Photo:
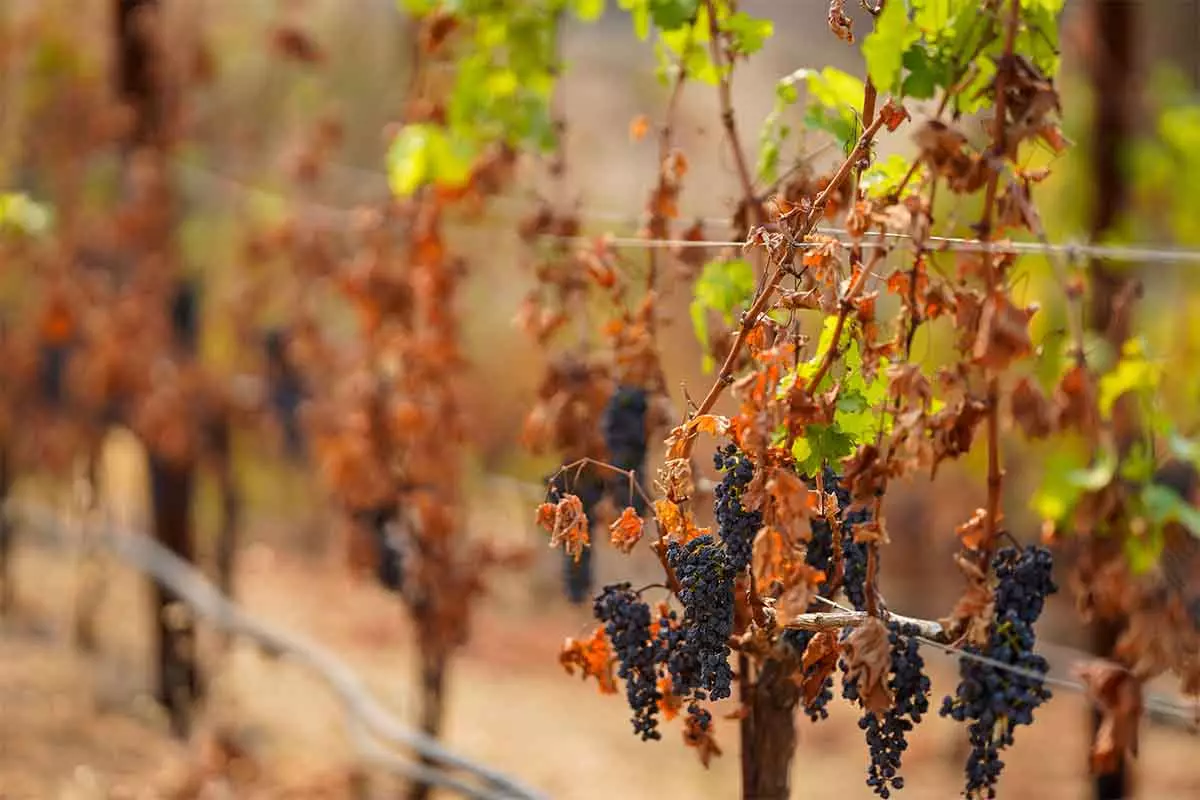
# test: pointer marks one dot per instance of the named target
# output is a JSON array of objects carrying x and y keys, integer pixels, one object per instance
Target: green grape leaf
[
  {"x": 417, "y": 8},
  {"x": 19, "y": 213},
  {"x": 671, "y": 15},
  {"x": 1164, "y": 505},
  {"x": 884, "y": 47},
  {"x": 588, "y": 10},
  {"x": 408, "y": 159},
  {"x": 748, "y": 34},
  {"x": 1143, "y": 552},
  {"x": 818, "y": 445},
  {"x": 723, "y": 286},
  {"x": 1133, "y": 373},
  {"x": 882, "y": 178},
  {"x": 1063, "y": 483}
]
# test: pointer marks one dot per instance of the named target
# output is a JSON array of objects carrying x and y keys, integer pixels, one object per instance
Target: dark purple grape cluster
[
  {"x": 285, "y": 390},
  {"x": 996, "y": 700},
  {"x": 798, "y": 641},
  {"x": 627, "y": 623},
  {"x": 623, "y": 425},
  {"x": 706, "y": 577},
  {"x": 736, "y": 526},
  {"x": 390, "y": 552},
  {"x": 854, "y": 554},
  {"x": 887, "y": 733}
]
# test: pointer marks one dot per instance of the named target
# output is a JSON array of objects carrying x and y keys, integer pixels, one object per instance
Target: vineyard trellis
[{"x": 807, "y": 314}]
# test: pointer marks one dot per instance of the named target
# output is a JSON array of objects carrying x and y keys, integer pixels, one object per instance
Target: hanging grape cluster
[
  {"x": 736, "y": 526},
  {"x": 854, "y": 554},
  {"x": 995, "y": 700},
  {"x": 887, "y": 733}
]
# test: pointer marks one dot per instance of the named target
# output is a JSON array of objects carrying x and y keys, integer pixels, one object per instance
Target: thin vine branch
[{"x": 725, "y": 376}]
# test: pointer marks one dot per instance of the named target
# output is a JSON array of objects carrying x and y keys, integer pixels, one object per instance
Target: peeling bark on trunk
[
  {"x": 178, "y": 685},
  {"x": 769, "y": 732}
]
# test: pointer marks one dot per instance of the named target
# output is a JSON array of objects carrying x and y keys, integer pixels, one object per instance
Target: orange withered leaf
[
  {"x": 819, "y": 661},
  {"x": 626, "y": 530},
  {"x": 639, "y": 126},
  {"x": 567, "y": 523},
  {"x": 894, "y": 115},
  {"x": 971, "y": 533},
  {"x": 593, "y": 657}
]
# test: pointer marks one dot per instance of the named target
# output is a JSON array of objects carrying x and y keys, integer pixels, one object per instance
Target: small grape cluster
[
  {"x": 627, "y": 622},
  {"x": 623, "y": 426},
  {"x": 854, "y": 554},
  {"x": 995, "y": 700},
  {"x": 706, "y": 577},
  {"x": 736, "y": 526},
  {"x": 887, "y": 733},
  {"x": 798, "y": 641}
]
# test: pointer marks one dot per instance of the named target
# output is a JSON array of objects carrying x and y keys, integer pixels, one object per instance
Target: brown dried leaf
[
  {"x": 840, "y": 24},
  {"x": 1031, "y": 409},
  {"x": 699, "y": 735},
  {"x": 1119, "y": 695},
  {"x": 868, "y": 662},
  {"x": 1003, "y": 335}
]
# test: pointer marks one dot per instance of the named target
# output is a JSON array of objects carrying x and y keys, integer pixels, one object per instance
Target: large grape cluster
[
  {"x": 623, "y": 425},
  {"x": 995, "y": 700},
  {"x": 736, "y": 526},
  {"x": 887, "y": 733},
  {"x": 706, "y": 578},
  {"x": 627, "y": 623}
]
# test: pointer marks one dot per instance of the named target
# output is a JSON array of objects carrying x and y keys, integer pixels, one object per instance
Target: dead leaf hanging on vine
[
  {"x": 868, "y": 662},
  {"x": 1119, "y": 695}
]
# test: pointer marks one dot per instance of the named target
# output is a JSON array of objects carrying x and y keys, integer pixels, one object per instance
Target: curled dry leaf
[
  {"x": 868, "y": 662},
  {"x": 567, "y": 523},
  {"x": 840, "y": 24},
  {"x": 1118, "y": 693},
  {"x": 971, "y": 533},
  {"x": 593, "y": 657},
  {"x": 627, "y": 530},
  {"x": 1003, "y": 335},
  {"x": 819, "y": 661},
  {"x": 972, "y": 614},
  {"x": 676, "y": 523},
  {"x": 894, "y": 115}
]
